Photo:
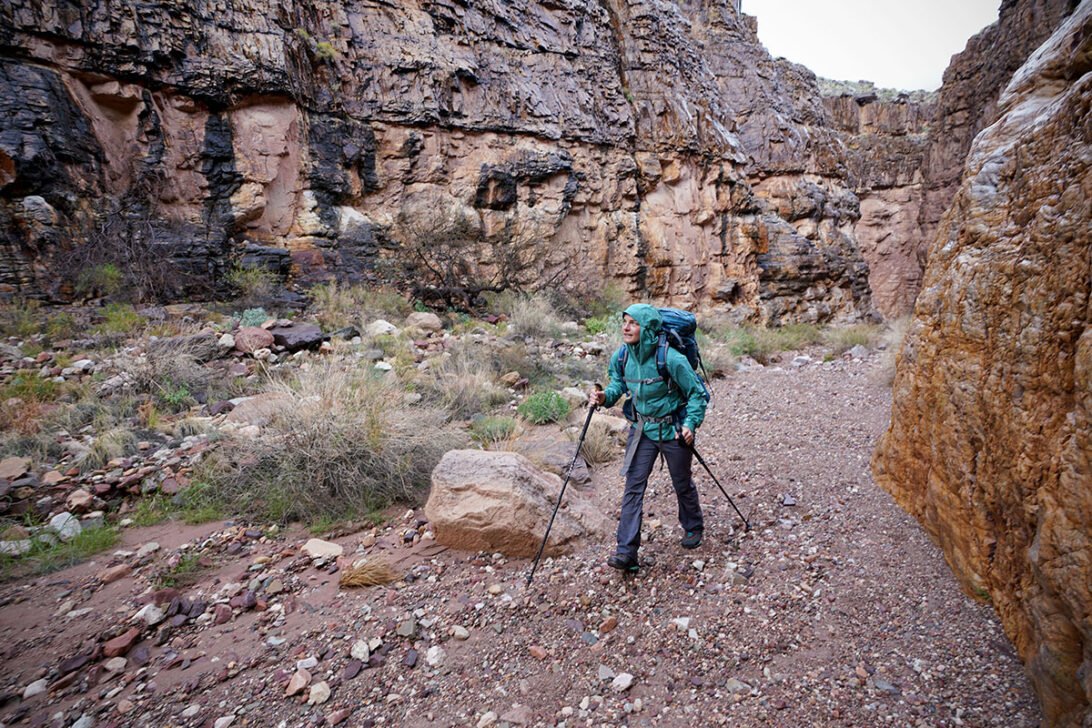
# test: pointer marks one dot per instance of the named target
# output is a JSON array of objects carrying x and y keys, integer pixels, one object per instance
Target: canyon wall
[
  {"x": 990, "y": 444},
  {"x": 315, "y": 139}
]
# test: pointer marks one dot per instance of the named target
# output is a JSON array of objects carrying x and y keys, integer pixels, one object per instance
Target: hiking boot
[
  {"x": 692, "y": 539},
  {"x": 622, "y": 563}
]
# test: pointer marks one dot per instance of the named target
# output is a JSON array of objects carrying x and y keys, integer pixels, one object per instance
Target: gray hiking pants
[{"x": 679, "y": 458}]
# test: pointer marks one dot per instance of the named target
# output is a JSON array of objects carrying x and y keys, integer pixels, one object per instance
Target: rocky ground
[{"x": 833, "y": 610}]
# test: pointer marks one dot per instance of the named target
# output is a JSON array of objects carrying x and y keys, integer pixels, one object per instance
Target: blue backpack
[{"x": 677, "y": 331}]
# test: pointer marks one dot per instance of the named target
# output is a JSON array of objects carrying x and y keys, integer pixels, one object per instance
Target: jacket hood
[{"x": 649, "y": 318}]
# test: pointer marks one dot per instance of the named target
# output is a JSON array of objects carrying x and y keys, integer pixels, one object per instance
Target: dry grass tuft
[
  {"x": 465, "y": 384},
  {"x": 529, "y": 314},
  {"x": 346, "y": 443},
  {"x": 368, "y": 573},
  {"x": 599, "y": 445}
]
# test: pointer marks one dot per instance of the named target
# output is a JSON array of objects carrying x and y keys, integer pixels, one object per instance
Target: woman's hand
[
  {"x": 687, "y": 436},
  {"x": 596, "y": 398}
]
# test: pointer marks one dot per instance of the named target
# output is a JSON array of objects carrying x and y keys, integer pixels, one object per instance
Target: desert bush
[
  {"x": 599, "y": 445},
  {"x": 61, "y": 325},
  {"x": 171, "y": 374},
  {"x": 528, "y": 314},
  {"x": 120, "y": 318},
  {"x": 464, "y": 384},
  {"x": 335, "y": 305},
  {"x": 346, "y": 444},
  {"x": 842, "y": 339},
  {"x": 543, "y": 407},
  {"x": 111, "y": 444},
  {"x": 493, "y": 429},
  {"x": 252, "y": 285},
  {"x": 21, "y": 317}
]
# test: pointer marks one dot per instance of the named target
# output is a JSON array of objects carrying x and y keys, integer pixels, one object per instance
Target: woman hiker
[{"x": 665, "y": 416}]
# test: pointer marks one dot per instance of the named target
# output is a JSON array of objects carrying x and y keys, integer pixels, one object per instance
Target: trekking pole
[
  {"x": 591, "y": 411},
  {"x": 746, "y": 526}
]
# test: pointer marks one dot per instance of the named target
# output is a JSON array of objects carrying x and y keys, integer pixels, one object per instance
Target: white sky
[{"x": 903, "y": 44}]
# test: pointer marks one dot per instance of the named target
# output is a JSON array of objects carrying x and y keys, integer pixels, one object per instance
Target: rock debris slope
[
  {"x": 835, "y": 610},
  {"x": 989, "y": 443}
]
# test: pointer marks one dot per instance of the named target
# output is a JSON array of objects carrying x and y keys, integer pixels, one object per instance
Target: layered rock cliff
[
  {"x": 990, "y": 444},
  {"x": 305, "y": 138}
]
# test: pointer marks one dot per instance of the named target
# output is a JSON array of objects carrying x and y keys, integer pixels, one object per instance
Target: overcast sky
[{"x": 904, "y": 44}]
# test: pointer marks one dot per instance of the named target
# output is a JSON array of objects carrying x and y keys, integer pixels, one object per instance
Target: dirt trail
[{"x": 835, "y": 610}]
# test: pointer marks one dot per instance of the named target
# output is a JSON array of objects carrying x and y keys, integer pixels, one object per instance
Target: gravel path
[{"x": 834, "y": 610}]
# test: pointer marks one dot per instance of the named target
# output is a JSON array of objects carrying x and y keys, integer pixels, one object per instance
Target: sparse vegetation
[
  {"x": 528, "y": 314},
  {"x": 599, "y": 445},
  {"x": 544, "y": 407},
  {"x": 843, "y": 339},
  {"x": 493, "y": 429},
  {"x": 464, "y": 384},
  {"x": 48, "y": 553},
  {"x": 345, "y": 445},
  {"x": 252, "y": 285}
]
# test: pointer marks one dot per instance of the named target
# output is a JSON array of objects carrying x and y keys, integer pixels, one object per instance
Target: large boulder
[
  {"x": 499, "y": 501},
  {"x": 990, "y": 444}
]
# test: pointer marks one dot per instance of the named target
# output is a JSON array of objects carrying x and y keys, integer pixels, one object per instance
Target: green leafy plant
[
  {"x": 543, "y": 407},
  {"x": 253, "y": 317},
  {"x": 251, "y": 284},
  {"x": 120, "y": 318}
]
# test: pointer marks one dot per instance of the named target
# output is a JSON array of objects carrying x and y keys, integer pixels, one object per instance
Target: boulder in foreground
[{"x": 499, "y": 501}]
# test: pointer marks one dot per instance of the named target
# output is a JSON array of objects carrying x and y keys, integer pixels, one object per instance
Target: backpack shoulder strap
[
  {"x": 661, "y": 360},
  {"x": 623, "y": 354}
]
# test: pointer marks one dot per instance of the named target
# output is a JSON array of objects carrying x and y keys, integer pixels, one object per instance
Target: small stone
[
  {"x": 435, "y": 656},
  {"x": 115, "y": 664},
  {"x": 352, "y": 669},
  {"x": 788, "y": 500},
  {"x": 35, "y": 688},
  {"x": 66, "y": 526},
  {"x": 297, "y": 683},
  {"x": 151, "y": 615},
  {"x": 605, "y": 673},
  {"x": 113, "y": 573},
  {"x": 488, "y": 719},
  {"x": 495, "y": 589},
  {"x": 367, "y": 540},
  {"x": 125, "y": 706},
  {"x": 517, "y": 715},
  {"x": 78, "y": 500},
  {"x": 146, "y": 550},
  {"x": 407, "y": 629},
  {"x": 307, "y": 663},
  {"x": 122, "y": 643},
  {"x": 320, "y": 693},
  {"x": 316, "y": 548},
  {"x": 538, "y": 651},
  {"x": 338, "y": 716},
  {"x": 460, "y": 632},
  {"x": 224, "y": 721},
  {"x": 359, "y": 651},
  {"x": 14, "y": 468},
  {"x": 621, "y": 682},
  {"x": 608, "y": 624}
]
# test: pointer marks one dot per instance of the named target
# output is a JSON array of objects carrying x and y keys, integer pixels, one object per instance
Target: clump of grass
[
  {"x": 373, "y": 572},
  {"x": 529, "y": 314},
  {"x": 543, "y": 407},
  {"x": 199, "y": 503},
  {"x": 334, "y": 305},
  {"x": 150, "y": 511},
  {"x": 599, "y": 445},
  {"x": 120, "y": 318},
  {"x": 762, "y": 343},
  {"x": 493, "y": 429},
  {"x": 464, "y": 384},
  {"x": 843, "y": 339},
  {"x": 61, "y": 325},
  {"x": 20, "y": 318},
  {"x": 113, "y": 443},
  {"x": 181, "y": 574},
  {"x": 252, "y": 286},
  {"x": 48, "y": 555},
  {"x": 346, "y": 444}
]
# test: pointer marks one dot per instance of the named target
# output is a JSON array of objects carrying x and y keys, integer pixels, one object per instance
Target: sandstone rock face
[
  {"x": 499, "y": 501},
  {"x": 968, "y": 97},
  {"x": 309, "y": 139},
  {"x": 990, "y": 445}
]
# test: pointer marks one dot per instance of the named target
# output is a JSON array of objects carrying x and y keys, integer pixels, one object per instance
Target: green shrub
[
  {"x": 62, "y": 325},
  {"x": 103, "y": 280},
  {"x": 120, "y": 318},
  {"x": 20, "y": 318},
  {"x": 253, "y": 317},
  {"x": 253, "y": 285},
  {"x": 543, "y": 407},
  {"x": 492, "y": 429}
]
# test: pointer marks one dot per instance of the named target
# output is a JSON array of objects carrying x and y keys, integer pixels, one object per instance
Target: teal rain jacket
[{"x": 657, "y": 399}]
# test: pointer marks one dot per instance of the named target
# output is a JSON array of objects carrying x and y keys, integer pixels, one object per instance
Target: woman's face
[{"x": 631, "y": 330}]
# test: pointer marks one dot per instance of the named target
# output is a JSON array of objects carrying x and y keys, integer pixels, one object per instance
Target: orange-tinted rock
[
  {"x": 122, "y": 643},
  {"x": 990, "y": 444},
  {"x": 251, "y": 338}
]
